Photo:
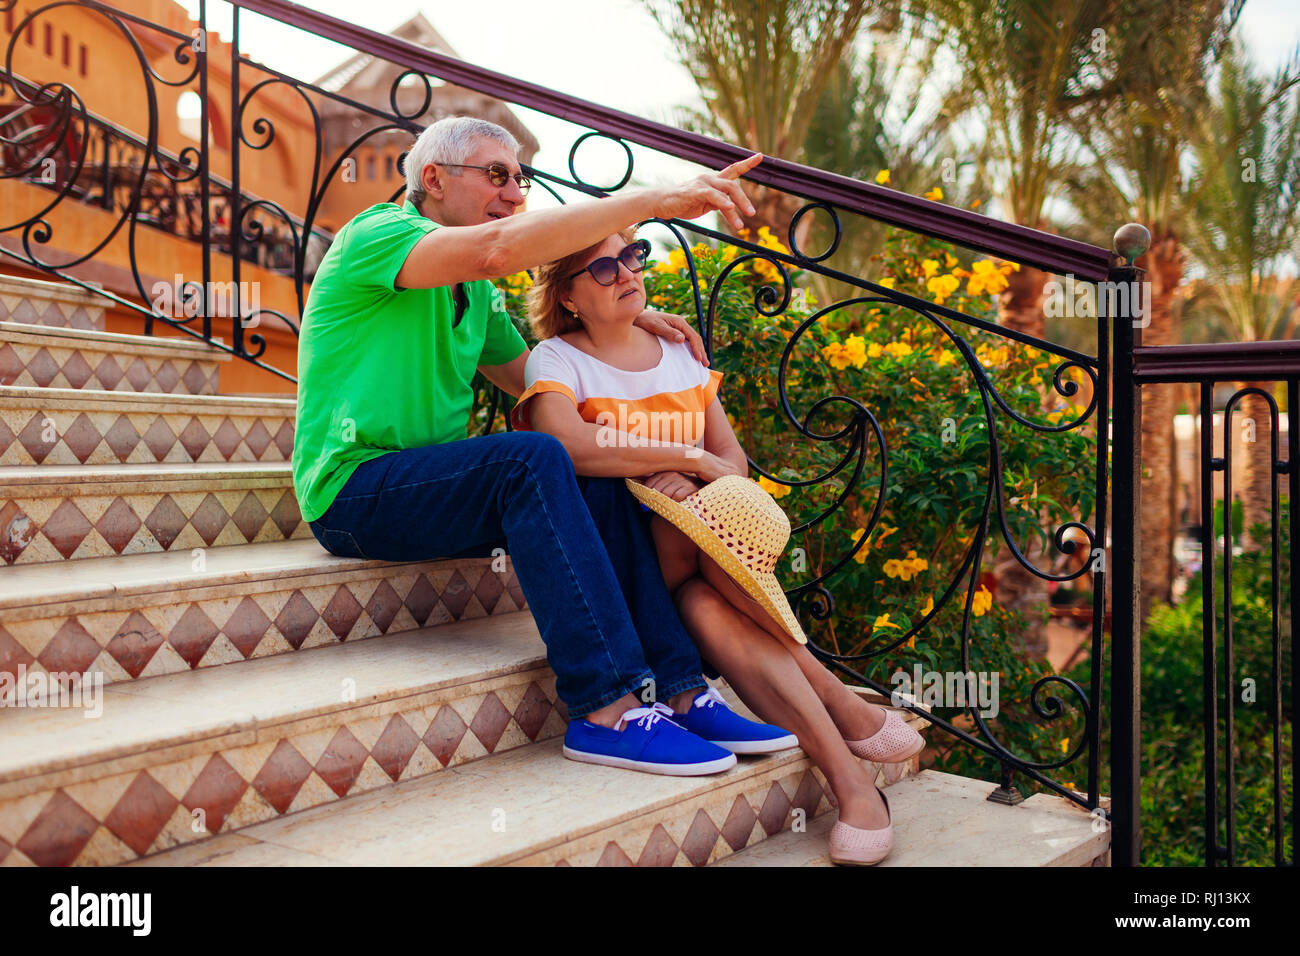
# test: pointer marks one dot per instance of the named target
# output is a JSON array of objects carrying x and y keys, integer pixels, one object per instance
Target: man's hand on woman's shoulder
[{"x": 674, "y": 328}]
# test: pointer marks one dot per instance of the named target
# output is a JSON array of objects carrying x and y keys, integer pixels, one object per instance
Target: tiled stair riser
[
  {"x": 713, "y": 827},
  {"x": 95, "y": 520},
  {"x": 38, "y": 303},
  {"x": 118, "y": 811},
  {"x": 70, "y": 426},
  {"x": 131, "y": 636},
  {"x": 27, "y": 362}
]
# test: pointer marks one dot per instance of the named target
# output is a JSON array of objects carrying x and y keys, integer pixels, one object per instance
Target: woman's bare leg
[
  {"x": 856, "y": 718},
  {"x": 771, "y": 684}
]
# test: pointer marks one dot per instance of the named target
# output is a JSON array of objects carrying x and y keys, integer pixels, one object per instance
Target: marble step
[
  {"x": 144, "y": 615},
  {"x": 176, "y": 759},
  {"x": 941, "y": 819},
  {"x": 70, "y": 426},
  {"x": 52, "y": 304},
  {"x": 62, "y": 512},
  {"x": 534, "y": 807},
  {"x": 34, "y": 356}
]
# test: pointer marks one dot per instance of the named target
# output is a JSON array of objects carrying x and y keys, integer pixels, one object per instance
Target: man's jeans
[{"x": 603, "y": 611}]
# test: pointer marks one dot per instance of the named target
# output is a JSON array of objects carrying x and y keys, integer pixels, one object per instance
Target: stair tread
[
  {"x": 13, "y": 475},
  {"x": 50, "y": 582},
  {"x": 446, "y": 819},
  {"x": 190, "y": 348},
  {"x": 44, "y": 288},
  {"x": 242, "y": 698},
  {"x": 53, "y": 398},
  {"x": 943, "y": 819}
]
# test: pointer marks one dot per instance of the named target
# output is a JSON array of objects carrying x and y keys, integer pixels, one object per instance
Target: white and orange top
[{"x": 664, "y": 403}]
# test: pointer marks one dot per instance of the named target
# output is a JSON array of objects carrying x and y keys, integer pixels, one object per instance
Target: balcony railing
[{"x": 860, "y": 458}]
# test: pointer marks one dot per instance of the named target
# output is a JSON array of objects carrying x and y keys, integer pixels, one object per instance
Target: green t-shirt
[{"x": 381, "y": 369}]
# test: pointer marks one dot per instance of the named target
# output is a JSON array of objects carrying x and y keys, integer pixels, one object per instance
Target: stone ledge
[{"x": 942, "y": 819}]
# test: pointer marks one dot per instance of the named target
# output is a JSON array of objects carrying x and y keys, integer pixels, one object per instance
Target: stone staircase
[{"x": 250, "y": 699}]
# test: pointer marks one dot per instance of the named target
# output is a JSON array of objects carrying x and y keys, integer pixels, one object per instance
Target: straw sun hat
[{"x": 742, "y": 528}]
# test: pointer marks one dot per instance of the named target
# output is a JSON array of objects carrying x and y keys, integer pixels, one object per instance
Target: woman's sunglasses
[
  {"x": 498, "y": 175},
  {"x": 605, "y": 269}
]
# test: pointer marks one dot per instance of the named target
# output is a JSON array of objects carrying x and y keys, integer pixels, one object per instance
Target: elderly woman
[{"x": 600, "y": 384}]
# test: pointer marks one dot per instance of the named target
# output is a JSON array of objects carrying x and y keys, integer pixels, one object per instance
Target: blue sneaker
[
  {"x": 649, "y": 741},
  {"x": 710, "y": 718}
]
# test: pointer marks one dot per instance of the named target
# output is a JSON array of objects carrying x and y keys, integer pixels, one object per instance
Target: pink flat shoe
[
  {"x": 894, "y": 742},
  {"x": 855, "y": 846}
]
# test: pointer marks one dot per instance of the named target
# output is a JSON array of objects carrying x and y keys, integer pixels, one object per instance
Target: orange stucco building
[{"x": 108, "y": 66}]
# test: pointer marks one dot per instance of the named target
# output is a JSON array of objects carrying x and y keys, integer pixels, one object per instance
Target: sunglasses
[
  {"x": 498, "y": 175},
  {"x": 605, "y": 269}
]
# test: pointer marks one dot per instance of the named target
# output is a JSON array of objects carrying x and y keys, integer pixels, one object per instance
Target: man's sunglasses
[
  {"x": 605, "y": 269},
  {"x": 498, "y": 174}
]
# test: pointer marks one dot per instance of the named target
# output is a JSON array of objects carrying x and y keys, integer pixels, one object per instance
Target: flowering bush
[
  {"x": 918, "y": 385},
  {"x": 914, "y": 379}
]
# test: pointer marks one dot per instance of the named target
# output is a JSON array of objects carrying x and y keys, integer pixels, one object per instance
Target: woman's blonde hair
[{"x": 546, "y": 311}]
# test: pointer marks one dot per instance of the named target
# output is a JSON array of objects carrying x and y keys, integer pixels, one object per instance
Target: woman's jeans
[{"x": 581, "y": 548}]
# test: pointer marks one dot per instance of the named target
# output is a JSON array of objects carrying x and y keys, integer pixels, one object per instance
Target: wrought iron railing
[
  {"x": 1207, "y": 365},
  {"x": 857, "y": 437}
]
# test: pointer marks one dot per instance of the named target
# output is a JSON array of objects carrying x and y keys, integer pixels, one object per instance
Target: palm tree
[
  {"x": 761, "y": 67},
  {"x": 1247, "y": 229},
  {"x": 880, "y": 111},
  {"x": 1139, "y": 142},
  {"x": 1027, "y": 65}
]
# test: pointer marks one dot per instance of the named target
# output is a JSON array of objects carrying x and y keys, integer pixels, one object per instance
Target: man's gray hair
[{"x": 449, "y": 140}]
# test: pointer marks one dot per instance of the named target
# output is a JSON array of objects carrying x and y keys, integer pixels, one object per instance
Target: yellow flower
[
  {"x": 983, "y": 601},
  {"x": 986, "y": 278},
  {"x": 883, "y": 621},
  {"x": 943, "y": 286},
  {"x": 775, "y": 489},
  {"x": 855, "y": 350},
  {"x": 976, "y": 204},
  {"x": 990, "y": 356},
  {"x": 888, "y": 282},
  {"x": 1065, "y": 745},
  {"x": 934, "y": 194},
  {"x": 875, "y": 350},
  {"x": 917, "y": 382},
  {"x": 519, "y": 282},
  {"x": 949, "y": 260},
  {"x": 898, "y": 350},
  {"x": 929, "y": 267},
  {"x": 674, "y": 264},
  {"x": 946, "y": 357},
  {"x": 929, "y": 606},
  {"x": 861, "y": 555},
  {"x": 882, "y": 177},
  {"x": 769, "y": 241},
  {"x": 837, "y": 355}
]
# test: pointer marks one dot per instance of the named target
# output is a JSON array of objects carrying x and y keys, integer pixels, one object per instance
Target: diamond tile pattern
[
  {"x": 15, "y": 306},
  {"x": 120, "y": 818},
  {"x": 66, "y": 436},
  {"x": 34, "y": 530},
  {"x": 95, "y": 365},
  {"x": 703, "y": 830},
  {"x": 183, "y": 635}
]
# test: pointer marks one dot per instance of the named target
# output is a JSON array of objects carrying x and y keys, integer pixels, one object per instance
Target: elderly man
[{"x": 399, "y": 317}]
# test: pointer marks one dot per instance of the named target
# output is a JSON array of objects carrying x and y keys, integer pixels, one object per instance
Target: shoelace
[
  {"x": 709, "y": 698},
  {"x": 646, "y": 717}
]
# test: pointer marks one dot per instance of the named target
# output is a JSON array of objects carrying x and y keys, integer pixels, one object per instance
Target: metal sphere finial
[{"x": 1131, "y": 240}]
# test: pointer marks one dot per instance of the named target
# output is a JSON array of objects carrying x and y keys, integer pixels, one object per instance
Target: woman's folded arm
[{"x": 602, "y": 451}]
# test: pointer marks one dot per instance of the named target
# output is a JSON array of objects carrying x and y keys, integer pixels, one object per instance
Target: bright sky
[{"x": 610, "y": 51}]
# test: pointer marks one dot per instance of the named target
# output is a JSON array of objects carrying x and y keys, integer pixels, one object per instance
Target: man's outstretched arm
[{"x": 503, "y": 247}]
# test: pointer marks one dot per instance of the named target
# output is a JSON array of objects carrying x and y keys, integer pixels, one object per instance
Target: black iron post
[{"x": 1122, "y": 300}]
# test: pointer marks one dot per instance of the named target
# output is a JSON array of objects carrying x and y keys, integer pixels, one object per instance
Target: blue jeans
[{"x": 581, "y": 548}]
